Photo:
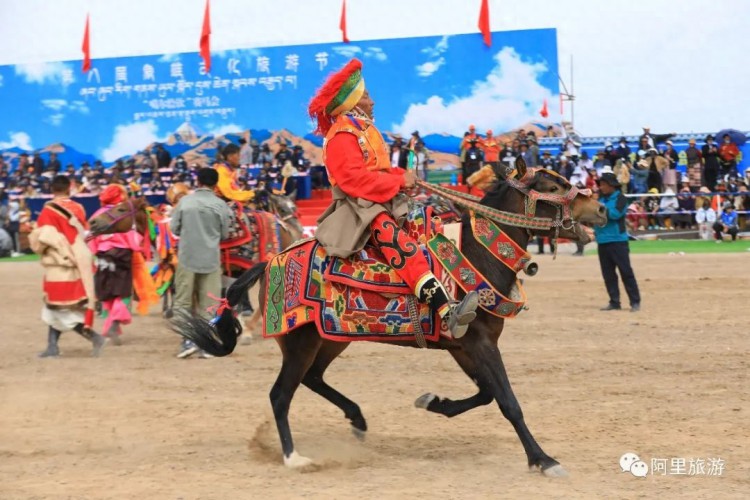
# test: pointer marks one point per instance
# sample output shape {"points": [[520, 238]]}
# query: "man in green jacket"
{"points": [[201, 221]]}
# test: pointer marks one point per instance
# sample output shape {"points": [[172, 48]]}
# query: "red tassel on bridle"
{"points": [[220, 306]]}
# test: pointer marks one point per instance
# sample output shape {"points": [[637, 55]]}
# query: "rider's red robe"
{"points": [[358, 163]]}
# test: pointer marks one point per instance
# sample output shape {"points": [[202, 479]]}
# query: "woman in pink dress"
{"points": [[113, 280]]}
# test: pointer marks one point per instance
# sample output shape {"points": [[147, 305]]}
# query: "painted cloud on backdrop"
{"points": [[131, 138], [509, 96]]}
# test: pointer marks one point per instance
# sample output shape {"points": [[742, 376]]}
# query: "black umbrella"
{"points": [[737, 137]]}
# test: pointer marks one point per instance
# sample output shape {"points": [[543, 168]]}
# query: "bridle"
{"points": [[529, 219], [563, 202], [276, 204]]}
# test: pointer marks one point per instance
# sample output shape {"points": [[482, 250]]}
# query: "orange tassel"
{"points": [[143, 284]]}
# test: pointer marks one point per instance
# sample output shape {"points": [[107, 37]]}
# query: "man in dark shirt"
{"points": [[38, 164], [474, 159], [54, 165], [284, 155], [163, 158], [298, 159], [623, 150], [710, 152]]}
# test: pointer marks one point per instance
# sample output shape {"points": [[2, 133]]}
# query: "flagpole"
{"points": [[572, 93]]}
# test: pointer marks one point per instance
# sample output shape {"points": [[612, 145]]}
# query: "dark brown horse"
{"points": [[130, 214], [306, 355]]}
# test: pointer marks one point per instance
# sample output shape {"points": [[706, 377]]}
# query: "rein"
{"points": [[529, 220], [114, 220], [471, 202]]}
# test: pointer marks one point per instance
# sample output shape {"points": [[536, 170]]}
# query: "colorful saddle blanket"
{"points": [[359, 298], [253, 237]]}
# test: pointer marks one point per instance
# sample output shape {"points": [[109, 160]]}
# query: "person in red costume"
{"points": [[69, 296], [728, 153], [369, 203]]}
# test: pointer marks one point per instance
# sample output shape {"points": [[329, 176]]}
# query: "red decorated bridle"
{"points": [[529, 220], [563, 202], [132, 212]]}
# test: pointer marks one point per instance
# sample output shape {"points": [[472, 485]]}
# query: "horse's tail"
{"points": [[219, 336]]}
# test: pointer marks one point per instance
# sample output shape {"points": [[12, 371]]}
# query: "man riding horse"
{"points": [[369, 203], [227, 187]]}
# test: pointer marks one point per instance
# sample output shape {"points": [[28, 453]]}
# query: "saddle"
{"points": [[253, 237], [356, 298]]}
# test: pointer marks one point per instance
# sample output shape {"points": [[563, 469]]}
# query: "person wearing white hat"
{"points": [[601, 161]]}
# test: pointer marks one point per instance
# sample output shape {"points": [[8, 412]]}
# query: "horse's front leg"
{"points": [[450, 408], [489, 364]]}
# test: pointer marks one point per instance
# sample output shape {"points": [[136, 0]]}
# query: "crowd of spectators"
{"points": [[711, 178], [151, 172], [675, 199]]}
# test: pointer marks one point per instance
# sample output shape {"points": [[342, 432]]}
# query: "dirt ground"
{"points": [[668, 382]]}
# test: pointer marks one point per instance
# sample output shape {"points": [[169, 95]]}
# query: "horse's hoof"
{"points": [[298, 462], [555, 471], [424, 400], [247, 339], [168, 314], [359, 434]]}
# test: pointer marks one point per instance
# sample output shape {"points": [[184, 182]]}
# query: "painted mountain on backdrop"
{"points": [[200, 148]]}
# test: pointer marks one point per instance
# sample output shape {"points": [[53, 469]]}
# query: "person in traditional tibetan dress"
{"points": [[69, 297], [369, 202]]}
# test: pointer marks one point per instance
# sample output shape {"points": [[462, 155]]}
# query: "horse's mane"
{"points": [[140, 203], [497, 194]]}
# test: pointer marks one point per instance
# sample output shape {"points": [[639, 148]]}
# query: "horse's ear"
{"points": [[520, 167], [501, 171]]}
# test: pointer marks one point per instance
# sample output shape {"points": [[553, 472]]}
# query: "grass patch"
{"points": [[687, 246], [23, 258]]}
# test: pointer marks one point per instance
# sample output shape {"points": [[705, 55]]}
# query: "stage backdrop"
{"points": [[434, 85]]}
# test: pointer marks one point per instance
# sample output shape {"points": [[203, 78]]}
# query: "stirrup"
{"points": [[462, 314]]}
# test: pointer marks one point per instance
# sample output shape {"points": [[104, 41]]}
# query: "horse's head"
{"points": [[286, 210], [121, 218], [176, 191], [542, 193]]}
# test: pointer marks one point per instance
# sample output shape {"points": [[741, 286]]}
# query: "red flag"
{"points": [[205, 42], [85, 48], [342, 22], [484, 23], [544, 111]]}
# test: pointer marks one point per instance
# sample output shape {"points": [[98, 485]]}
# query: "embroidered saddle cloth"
{"points": [[253, 237], [357, 298], [361, 297]]}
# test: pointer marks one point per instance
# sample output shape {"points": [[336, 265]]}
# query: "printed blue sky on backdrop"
{"points": [[437, 85]]}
